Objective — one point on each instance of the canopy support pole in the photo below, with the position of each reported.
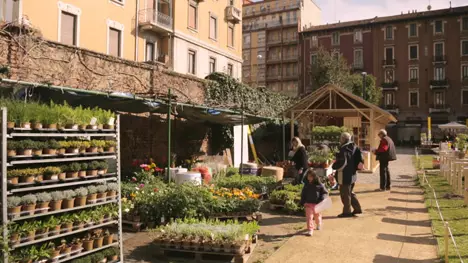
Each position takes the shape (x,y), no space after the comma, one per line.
(242,140)
(292,125)
(169,110)
(283,131)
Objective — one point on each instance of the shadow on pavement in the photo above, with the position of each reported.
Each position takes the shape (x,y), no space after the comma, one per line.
(407,193)
(390,259)
(424,240)
(408,209)
(423,223)
(406,200)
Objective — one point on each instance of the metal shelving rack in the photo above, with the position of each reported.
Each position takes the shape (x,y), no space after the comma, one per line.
(6,190)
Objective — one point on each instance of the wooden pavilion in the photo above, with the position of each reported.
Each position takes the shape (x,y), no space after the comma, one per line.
(332,105)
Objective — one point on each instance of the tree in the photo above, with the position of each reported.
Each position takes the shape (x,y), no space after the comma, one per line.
(333,69)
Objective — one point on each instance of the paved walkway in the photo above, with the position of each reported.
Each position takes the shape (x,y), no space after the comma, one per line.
(394,228)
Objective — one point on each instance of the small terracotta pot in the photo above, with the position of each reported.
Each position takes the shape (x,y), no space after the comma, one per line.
(98,242)
(78,225)
(54,254)
(30,236)
(111,194)
(29,209)
(62,151)
(37,152)
(92,150)
(71,126)
(39,178)
(91,127)
(101,196)
(68,203)
(50,151)
(82,127)
(92,172)
(55,231)
(10,125)
(100,150)
(76,247)
(72,174)
(25,152)
(100,126)
(55,205)
(91,198)
(88,245)
(14,211)
(26,179)
(13,180)
(25,125)
(52,177)
(42,207)
(67,227)
(50,126)
(109,149)
(14,239)
(102,172)
(72,150)
(67,251)
(82,150)
(11,153)
(82,174)
(37,125)
(108,239)
(109,127)
(42,233)
(62,176)
(113,258)
(80,201)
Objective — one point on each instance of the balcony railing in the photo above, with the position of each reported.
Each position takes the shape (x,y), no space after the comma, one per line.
(390,85)
(439,108)
(414,80)
(439,59)
(392,108)
(444,83)
(153,19)
(358,65)
(233,14)
(389,62)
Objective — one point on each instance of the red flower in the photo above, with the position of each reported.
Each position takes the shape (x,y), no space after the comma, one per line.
(135,162)
(134,179)
(155,190)
(147,168)
(141,186)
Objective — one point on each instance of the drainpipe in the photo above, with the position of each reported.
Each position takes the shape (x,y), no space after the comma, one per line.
(136,28)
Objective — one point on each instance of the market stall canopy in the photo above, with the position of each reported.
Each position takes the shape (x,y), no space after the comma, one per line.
(453,126)
(124,102)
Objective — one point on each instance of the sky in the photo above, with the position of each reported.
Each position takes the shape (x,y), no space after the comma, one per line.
(346,10)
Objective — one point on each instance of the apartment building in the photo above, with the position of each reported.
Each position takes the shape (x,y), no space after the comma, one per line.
(271,42)
(420,60)
(190,37)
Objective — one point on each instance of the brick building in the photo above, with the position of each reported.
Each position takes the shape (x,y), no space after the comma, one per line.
(420,59)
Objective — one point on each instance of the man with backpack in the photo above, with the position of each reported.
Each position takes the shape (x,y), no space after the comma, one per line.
(348,161)
(385,154)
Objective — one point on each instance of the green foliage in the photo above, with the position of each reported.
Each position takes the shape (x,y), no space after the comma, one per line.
(13,201)
(257,183)
(43,197)
(461,141)
(28,199)
(226,92)
(81,192)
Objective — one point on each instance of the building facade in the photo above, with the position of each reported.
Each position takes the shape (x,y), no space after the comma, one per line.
(190,37)
(271,42)
(420,60)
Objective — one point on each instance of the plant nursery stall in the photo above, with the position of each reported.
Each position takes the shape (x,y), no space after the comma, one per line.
(333,105)
(60,183)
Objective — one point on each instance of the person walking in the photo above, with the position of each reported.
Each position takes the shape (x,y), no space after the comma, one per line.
(300,159)
(313,193)
(385,154)
(346,166)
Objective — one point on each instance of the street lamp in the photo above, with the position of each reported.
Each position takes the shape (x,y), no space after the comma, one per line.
(258,58)
(364,74)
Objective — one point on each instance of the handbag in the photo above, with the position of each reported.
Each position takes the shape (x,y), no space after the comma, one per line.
(324,205)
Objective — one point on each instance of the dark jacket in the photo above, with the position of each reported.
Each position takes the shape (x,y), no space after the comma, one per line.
(300,159)
(313,193)
(346,163)
(388,155)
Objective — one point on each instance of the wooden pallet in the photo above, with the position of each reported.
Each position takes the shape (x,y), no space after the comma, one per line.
(132,226)
(204,256)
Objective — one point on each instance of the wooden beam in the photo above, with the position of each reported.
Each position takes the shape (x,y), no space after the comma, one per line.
(371,138)
(330,99)
(334,110)
(310,105)
(354,106)
(292,125)
(319,104)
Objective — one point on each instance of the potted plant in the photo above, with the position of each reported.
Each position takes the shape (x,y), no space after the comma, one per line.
(28,175)
(63,146)
(54,226)
(43,200)
(37,148)
(25,147)
(28,230)
(13,176)
(28,204)
(54,252)
(52,173)
(93,146)
(92,194)
(88,242)
(93,168)
(65,248)
(102,167)
(67,223)
(76,244)
(98,238)
(112,254)
(81,194)
(11,148)
(110,146)
(83,170)
(51,147)
(108,238)
(101,192)
(84,145)
(112,189)
(14,206)
(72,170)
(68,199)
(57,199)
(50,118)
(63,174)
(74,146)
(99,144)
(42,231)
(97,216)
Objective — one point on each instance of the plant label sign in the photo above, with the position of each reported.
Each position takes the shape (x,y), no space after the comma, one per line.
(111,121)
(93,121)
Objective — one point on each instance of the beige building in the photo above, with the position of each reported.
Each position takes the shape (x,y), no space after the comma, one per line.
(270,42)
(191,37)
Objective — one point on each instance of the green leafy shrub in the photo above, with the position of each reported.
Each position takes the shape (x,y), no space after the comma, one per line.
(28,199)
(43,197)
(81,192)
(13,201)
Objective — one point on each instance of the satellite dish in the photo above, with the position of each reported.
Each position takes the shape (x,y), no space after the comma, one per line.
(429,7)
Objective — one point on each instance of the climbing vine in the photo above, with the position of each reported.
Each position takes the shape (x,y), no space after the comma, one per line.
(225,91)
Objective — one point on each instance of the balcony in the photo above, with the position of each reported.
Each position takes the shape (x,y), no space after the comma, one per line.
(439,59)
(233,14)
(439,84)
(153,20)
(439,108)
(390,85)
(394,109)
(358,66)
(389,62)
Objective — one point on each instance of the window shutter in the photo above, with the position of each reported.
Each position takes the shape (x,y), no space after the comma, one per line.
(114,42)
(68,29)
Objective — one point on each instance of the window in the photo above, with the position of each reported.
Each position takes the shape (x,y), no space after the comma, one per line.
(246,55)
(389,32)
(389,54)
(389,99)
(465,97)
(438,26)
(465,23)
(464,48)
(358,36)
(439,50)
(230,35)
(413,52)
(413,98)
(149,56)
(193,15)
(313,59)
(413,30)
(213,27)
(389,76)
(212,65)
(119,2)
(314,41)
(230,69)
(192,56)
(246,40)
(439,73)
(335,38)
(231,2)
(115,45)
(68,32)
(464,69)
(413,72)
(358,60)
(439,98)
